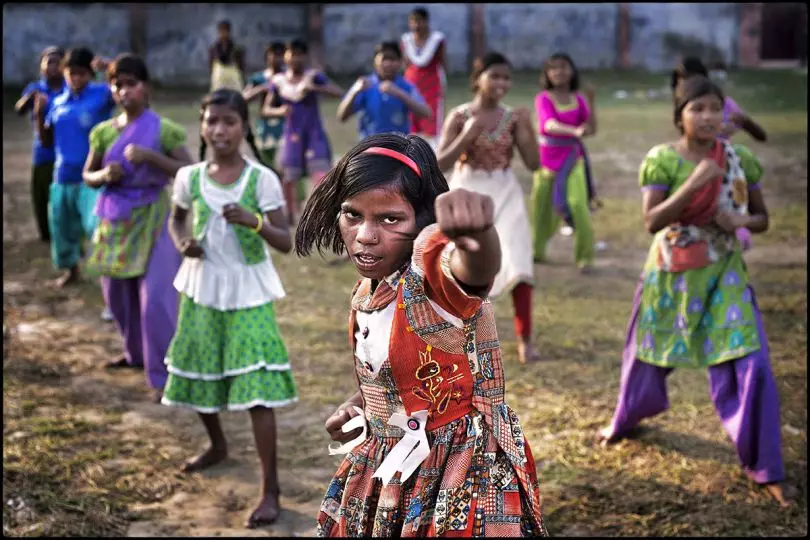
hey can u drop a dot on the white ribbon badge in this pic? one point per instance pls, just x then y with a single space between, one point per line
410 451
351 425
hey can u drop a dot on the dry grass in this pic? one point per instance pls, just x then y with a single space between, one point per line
75 463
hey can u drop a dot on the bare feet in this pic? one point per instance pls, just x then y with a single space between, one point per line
70 277
210 457
605 438
527 353
157 396
775 490
266 513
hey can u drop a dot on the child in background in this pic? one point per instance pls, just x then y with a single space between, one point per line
426 60
385 99
65 123
734 118
563 188
695 306
438 451
306 145
226 60
478 142
259 87
50 85
228 353
132 159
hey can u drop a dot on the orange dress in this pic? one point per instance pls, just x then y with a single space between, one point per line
428 362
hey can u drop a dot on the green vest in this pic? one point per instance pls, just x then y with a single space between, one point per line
251 243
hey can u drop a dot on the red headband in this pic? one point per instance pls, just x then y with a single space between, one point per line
396 155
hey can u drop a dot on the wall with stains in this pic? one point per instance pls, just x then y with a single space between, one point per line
528 33
177 36
660 33
352 30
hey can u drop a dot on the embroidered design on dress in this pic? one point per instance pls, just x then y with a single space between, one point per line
436 390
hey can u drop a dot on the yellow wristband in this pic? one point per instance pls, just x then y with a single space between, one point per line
261 222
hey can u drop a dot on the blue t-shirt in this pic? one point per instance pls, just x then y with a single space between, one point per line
382 113
72 116
41 154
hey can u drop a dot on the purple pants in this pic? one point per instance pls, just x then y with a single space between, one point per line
743 391
145 309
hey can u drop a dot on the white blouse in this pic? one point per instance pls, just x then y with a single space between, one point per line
221 279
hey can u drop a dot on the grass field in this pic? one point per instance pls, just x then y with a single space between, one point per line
85 453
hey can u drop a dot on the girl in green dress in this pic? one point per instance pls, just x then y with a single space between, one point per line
228 353
694 306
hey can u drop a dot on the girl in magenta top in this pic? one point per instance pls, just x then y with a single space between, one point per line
562 187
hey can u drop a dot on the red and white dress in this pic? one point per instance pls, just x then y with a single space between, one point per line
425 71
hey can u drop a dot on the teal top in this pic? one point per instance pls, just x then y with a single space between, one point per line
697 318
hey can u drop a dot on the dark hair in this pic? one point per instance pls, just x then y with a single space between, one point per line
691 89
545 82
298 45
356 173
689 66
128 64
483 63
224 24
420 12
388 46
233 100
47 51
80 57
276 47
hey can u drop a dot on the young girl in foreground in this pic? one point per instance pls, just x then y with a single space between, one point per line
228 353
478 142
563 188
132 159
694 306
426 354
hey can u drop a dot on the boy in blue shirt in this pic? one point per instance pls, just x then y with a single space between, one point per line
65 123
50 84
385 99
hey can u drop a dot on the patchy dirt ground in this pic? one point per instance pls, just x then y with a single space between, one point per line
86 453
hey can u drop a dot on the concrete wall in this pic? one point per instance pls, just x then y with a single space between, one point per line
351 31
528 33
659 33
176 36
179 56
29 28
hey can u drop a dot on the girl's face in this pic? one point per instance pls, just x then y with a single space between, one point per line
296 60
495 81
559 73
702 117
417 24
77 77
129 92
49 66
378 227
223 129
274 61
387 65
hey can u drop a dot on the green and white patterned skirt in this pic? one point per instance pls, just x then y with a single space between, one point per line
228 360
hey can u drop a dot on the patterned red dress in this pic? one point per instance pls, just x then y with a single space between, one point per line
443 455
425 71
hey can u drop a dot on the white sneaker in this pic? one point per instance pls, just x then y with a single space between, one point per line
601 246
566 230
106 315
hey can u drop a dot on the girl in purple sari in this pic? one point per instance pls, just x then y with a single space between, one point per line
132 159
